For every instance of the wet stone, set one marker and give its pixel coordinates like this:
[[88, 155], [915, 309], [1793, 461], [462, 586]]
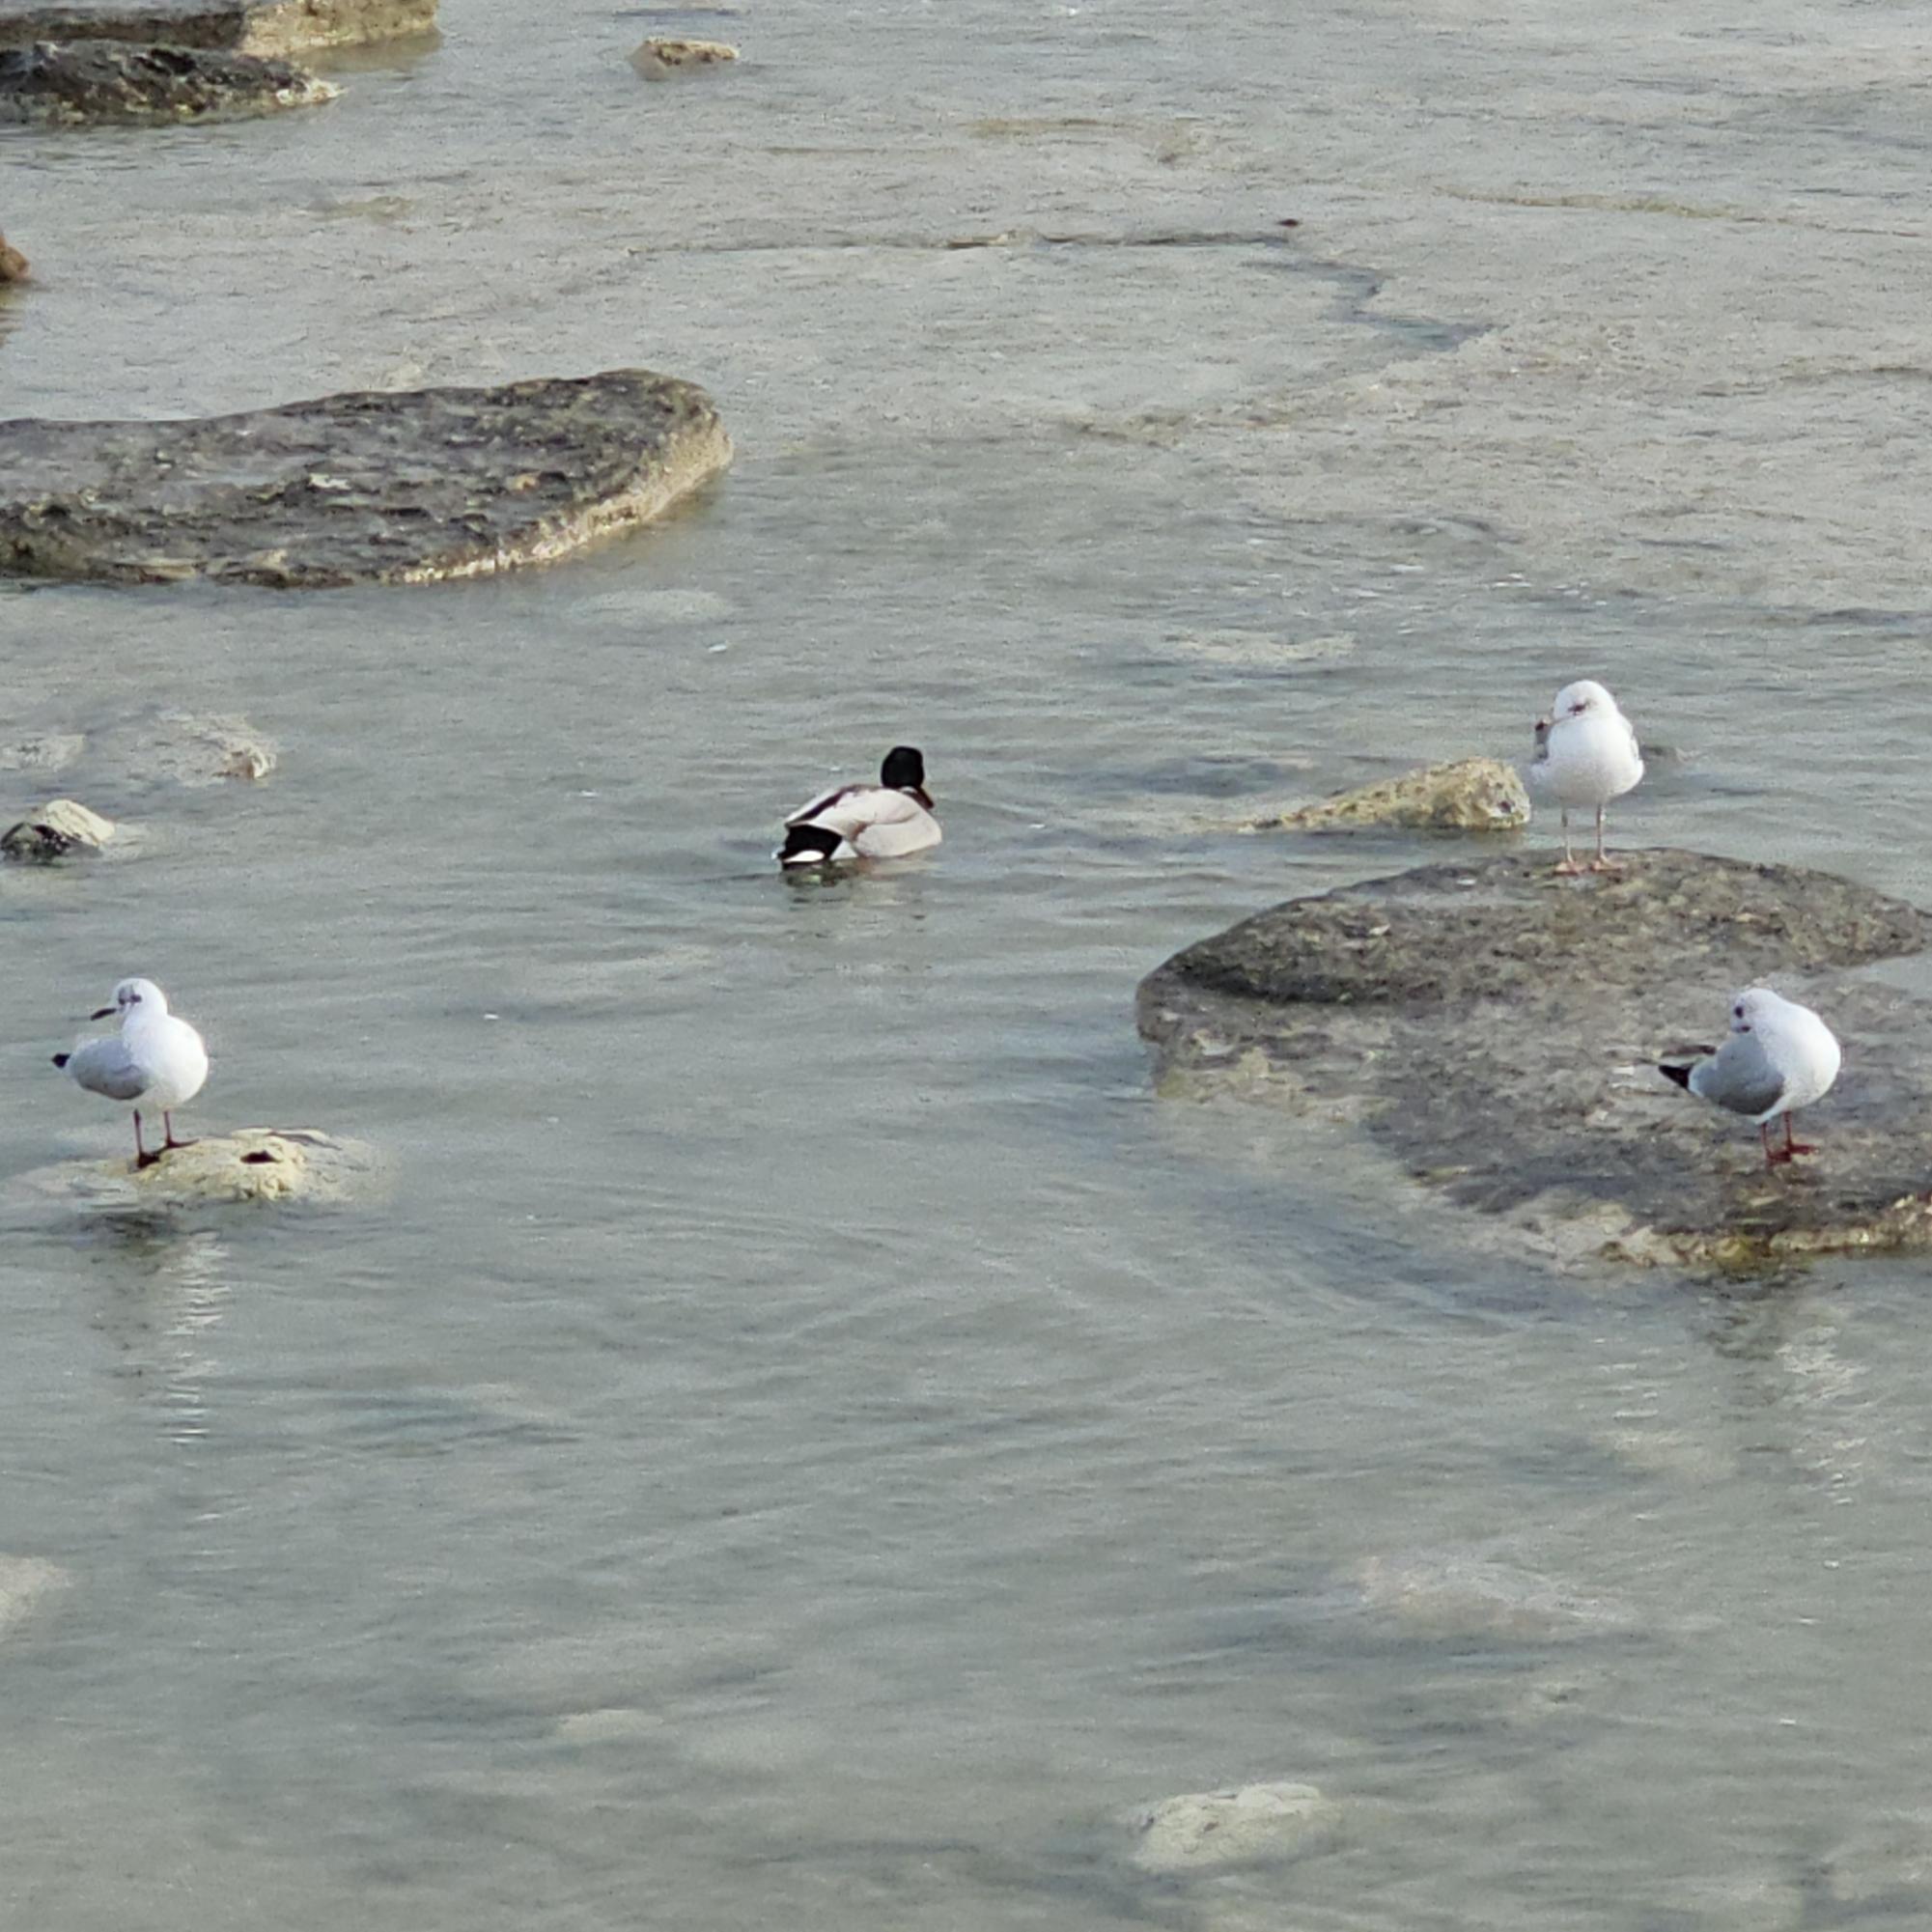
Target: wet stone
[[660, 60], [12, 263], [58, 830], [84, 83], [265, 27], [373, 486], [273, 1164], [1209, 1831], [1496, 1030], [1476, 794]]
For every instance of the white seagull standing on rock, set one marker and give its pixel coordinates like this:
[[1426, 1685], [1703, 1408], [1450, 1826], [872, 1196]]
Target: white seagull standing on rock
[[884, 820], [1586, 755], [155, 1059], [1780, 1056]]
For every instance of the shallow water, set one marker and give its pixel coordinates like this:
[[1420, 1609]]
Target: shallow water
[[805, 1432]]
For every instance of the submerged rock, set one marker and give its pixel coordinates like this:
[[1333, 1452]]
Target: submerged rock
[[253, 1163], [55, 831], [240, 26], [83, 83], [12, 263], [1496, 1029], [1205, 1830], [182, 748], [26, 1582], [1474, 795], [1465, 1593], [659, 60], [373, 486]]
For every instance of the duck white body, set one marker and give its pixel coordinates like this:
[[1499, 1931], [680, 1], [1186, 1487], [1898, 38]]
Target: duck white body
[[1778, 1057], [884, 820], [1586, 754], [154, 1061]]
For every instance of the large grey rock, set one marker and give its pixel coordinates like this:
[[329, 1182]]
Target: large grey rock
[[373, 487], [238, 26], [1496, 1029], [85, 83], [1471, 795]]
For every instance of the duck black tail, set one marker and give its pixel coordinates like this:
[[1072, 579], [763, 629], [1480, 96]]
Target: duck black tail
[[1681, 1074], [808, 845], [60, 1059]]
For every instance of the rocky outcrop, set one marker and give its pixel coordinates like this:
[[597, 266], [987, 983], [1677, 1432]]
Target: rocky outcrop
[[13, 265], [57, 829], [88, 83], [1471, 795], [264, 27], [660, 60], [373, 487], [1209, 1831], [1496, 1030]]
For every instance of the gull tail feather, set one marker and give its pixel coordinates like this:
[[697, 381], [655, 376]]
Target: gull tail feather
[[1681, 1074], [60, 1059]]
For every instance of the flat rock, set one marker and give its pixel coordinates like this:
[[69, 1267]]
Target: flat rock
[[41, 750], [265, 27], [12, 263], [1470, 795], [85, 83], [57, 829], [1208, 1830], [251, 1165], [1496, 1030], [372, 487], [660, 60]]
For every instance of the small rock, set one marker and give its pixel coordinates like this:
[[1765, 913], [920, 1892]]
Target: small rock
[[58, 828], [82, 83], [1471, 795], [252, 1163], [659, 60], [1205, 1830], [12, 263]]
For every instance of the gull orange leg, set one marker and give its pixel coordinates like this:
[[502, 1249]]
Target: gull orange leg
[[1603, 862], [1569, 866]]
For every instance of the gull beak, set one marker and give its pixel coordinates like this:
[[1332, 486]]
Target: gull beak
[[103, 1013]]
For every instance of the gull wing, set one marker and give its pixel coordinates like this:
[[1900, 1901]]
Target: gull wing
[[106, 1067], [1740, 1079]]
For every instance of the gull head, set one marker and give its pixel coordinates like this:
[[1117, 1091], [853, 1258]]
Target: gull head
[[132, 997], [1583, 697], [1752, 1007]]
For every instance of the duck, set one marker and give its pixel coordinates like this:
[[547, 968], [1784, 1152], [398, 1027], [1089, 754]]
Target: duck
[[155, 1060], [1586, 754], [884, 820], [1779, 1056]]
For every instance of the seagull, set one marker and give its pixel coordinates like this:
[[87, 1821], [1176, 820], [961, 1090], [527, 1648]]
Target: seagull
[[154, 1057], [1780, 1056], [884, 820], [1586, 754]]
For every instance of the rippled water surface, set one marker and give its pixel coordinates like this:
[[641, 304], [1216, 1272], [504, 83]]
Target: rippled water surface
[[805, 1435]]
